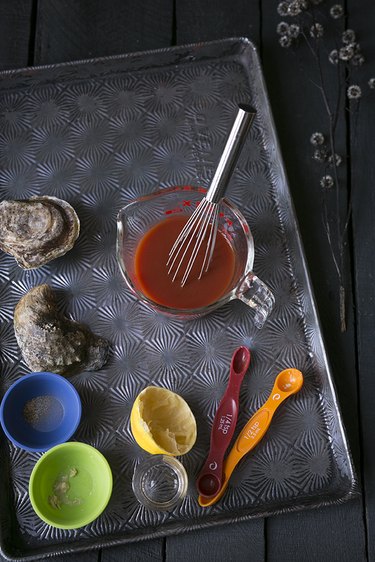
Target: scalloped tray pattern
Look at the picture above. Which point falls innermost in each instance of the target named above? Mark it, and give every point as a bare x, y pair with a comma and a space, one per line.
98, 134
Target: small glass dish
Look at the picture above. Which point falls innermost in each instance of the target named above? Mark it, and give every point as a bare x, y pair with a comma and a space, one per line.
160, 482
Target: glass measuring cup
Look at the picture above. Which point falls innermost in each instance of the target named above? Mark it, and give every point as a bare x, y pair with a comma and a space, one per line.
138, 217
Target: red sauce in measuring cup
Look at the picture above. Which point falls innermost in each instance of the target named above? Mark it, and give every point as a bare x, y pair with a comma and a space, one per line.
152, 277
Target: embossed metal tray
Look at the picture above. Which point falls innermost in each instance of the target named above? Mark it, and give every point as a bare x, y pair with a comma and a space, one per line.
99, 133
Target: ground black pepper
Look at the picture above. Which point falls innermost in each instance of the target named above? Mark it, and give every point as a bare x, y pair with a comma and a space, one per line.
43, 412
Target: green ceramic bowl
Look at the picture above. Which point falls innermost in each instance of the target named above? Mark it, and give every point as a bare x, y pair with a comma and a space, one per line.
70, 485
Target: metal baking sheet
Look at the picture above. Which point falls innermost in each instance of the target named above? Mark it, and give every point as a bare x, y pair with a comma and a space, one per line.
99, 133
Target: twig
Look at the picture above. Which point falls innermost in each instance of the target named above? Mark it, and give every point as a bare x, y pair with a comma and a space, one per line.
349, 53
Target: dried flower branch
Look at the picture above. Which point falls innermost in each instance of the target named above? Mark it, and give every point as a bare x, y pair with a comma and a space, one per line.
307, 23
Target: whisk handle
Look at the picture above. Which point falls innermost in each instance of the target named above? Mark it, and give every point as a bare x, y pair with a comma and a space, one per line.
229, 157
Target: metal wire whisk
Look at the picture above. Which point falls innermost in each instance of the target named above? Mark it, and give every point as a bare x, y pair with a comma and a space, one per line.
203, 222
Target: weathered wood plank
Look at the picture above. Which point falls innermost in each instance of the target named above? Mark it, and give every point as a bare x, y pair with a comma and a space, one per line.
235, 542
361, 18
15, 30
318, 535
71, 30
145, 551
336, 532
16, 37
216, 19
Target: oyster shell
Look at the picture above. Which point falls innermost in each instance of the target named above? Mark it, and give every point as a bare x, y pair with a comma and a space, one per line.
37, 230
50, 341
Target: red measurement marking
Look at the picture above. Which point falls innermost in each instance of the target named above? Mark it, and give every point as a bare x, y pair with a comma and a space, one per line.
186, 203
171, 211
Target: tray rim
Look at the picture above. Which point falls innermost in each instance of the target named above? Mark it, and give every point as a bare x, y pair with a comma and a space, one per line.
353, 489
132, 54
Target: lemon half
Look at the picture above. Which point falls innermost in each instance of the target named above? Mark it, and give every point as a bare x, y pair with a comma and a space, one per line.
162, 422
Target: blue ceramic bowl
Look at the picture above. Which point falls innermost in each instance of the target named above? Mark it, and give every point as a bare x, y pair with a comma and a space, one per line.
39, 411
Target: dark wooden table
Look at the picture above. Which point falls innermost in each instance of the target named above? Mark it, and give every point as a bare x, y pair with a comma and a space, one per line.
34, 32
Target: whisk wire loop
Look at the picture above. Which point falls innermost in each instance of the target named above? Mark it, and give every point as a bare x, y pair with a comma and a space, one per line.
189, 231
201, 233
211, 241
204, 219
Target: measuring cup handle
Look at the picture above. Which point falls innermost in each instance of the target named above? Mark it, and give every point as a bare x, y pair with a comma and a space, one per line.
253, 292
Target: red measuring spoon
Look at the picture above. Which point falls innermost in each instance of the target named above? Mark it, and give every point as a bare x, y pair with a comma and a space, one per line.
210, 478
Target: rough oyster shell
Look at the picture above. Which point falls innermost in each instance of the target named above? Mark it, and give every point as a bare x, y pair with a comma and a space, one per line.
50, 341
37, 230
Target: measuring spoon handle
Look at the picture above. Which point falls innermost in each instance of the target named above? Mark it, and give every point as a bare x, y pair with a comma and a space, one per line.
225, 418
249, 437
224, 424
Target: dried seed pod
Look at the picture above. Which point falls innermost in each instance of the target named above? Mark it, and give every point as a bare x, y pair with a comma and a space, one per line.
327, 182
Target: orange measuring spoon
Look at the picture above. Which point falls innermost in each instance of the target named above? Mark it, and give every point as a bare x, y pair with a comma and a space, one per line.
287, 382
